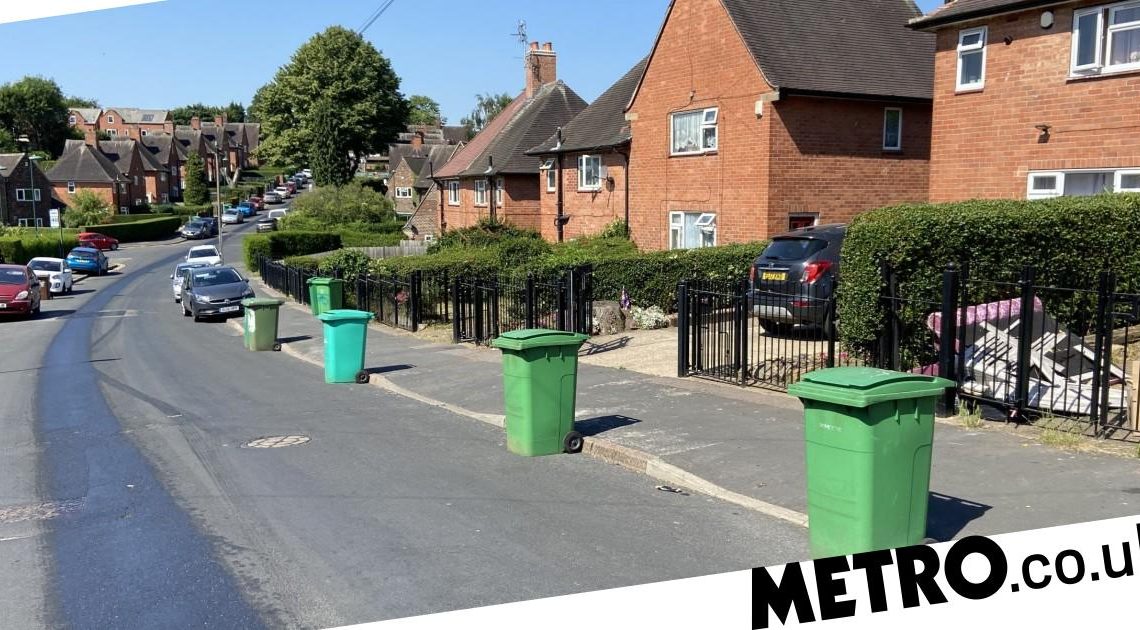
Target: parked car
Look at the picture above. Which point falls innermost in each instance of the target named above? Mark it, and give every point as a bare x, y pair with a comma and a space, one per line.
213, 291
211, 224
258, 203
291, 185
88, 260
205, 254
271, 196
267, 224
19, 291
232, 216
308, 172
247, 208
177, 278
195, 229
794, 278
283, 192
97, 241
53, 271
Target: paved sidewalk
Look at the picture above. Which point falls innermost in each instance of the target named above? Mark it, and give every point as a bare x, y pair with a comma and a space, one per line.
746, 446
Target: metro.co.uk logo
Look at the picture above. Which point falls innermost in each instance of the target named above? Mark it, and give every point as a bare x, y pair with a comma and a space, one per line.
973, 568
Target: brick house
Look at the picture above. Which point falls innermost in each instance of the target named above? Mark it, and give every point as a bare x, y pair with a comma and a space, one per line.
83, 167
165, 150
583, 184
1034, 99
411, 178
84, 119
192, 141
492, 176
19, 188
126, 156
132, 123
754, 116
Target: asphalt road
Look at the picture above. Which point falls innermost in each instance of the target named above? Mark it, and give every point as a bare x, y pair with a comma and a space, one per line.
129, 420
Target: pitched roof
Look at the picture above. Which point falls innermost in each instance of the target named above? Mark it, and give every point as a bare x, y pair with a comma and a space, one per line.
133, 115
602, 124
84, 164
150, 161
89, 114
188, 140
9, 162
159, 145
454, 134
425, 218
521, 125
962, 10
437, 157
118, 152
859, 48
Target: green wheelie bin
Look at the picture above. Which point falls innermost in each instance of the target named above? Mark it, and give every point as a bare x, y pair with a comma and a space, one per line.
325, 294
346, 334
869, 435
540, 378
261, 323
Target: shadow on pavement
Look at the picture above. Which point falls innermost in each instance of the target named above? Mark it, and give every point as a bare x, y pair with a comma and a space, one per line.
946, 516
389, 368
55, 313
601, 424
589, 349
294, 339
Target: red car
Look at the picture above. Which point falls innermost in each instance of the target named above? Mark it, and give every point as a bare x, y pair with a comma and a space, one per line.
98, 241
19, 291
257, 203
292, 187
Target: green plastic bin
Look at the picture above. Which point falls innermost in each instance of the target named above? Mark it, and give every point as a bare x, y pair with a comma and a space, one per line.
261, 323
540, 378
346, 334
325, 294
869, 435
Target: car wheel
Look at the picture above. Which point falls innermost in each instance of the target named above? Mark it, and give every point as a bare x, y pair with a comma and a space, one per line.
185, 311
194, 313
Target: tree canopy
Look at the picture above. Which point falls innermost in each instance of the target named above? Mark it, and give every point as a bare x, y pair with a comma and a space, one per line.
34, 106
424, 111
234, 112
76, 102
194, 191
487, 106
362, 91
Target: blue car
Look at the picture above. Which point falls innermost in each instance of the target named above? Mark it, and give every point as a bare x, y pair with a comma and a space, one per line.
247, 208
88, 260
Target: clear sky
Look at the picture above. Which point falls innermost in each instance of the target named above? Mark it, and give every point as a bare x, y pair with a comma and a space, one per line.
215, 51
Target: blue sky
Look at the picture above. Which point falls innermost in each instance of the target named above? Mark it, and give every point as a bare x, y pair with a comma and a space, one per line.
183, 51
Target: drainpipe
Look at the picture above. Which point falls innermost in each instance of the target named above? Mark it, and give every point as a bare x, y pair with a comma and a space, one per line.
625, 156
491, 186
560, 219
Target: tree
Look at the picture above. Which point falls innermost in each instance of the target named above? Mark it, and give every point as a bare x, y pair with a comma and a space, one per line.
86, 208
195, 192
103, 134
362, 90
424, 111
76, 102
34, 106
234, 112
487, 106
341, 207
329, 157
7, 142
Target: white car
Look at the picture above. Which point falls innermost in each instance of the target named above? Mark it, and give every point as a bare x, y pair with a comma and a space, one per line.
55, 272
176, 277
282, 191
307, 172
271, 196
277, 213
232, 216
204, 254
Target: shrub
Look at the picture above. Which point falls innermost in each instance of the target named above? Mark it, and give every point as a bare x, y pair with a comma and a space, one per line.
195, 192
341, 206
278, 245
149, 229
648, 318
485, 233
616, 229
19, 250
1070, 240
351, 262
87, 208
370, 239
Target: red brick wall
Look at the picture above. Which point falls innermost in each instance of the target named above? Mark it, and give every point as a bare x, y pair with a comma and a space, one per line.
589, 211
985, 143
105, 191
520, 201
20, 178
403, 177
466, 213
121, 129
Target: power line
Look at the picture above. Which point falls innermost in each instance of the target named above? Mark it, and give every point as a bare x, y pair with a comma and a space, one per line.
375, 16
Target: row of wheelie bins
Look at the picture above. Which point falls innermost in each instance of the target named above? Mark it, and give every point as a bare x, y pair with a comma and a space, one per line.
868, 432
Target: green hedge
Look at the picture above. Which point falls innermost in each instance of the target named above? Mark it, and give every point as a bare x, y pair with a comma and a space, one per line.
370, 239
279, 245
20, 250
1069, 240
151, 229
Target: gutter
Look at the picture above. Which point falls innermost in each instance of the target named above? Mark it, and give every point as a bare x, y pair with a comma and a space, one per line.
935, 22
785, 91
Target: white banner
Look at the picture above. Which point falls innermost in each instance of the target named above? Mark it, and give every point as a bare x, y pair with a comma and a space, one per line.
19, 10
1080, 576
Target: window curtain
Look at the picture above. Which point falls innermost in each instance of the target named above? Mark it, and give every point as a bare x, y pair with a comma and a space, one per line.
686, 132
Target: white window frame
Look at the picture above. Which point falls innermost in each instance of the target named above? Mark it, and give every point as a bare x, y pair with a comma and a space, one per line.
480, 192
972, 49
500, 186
71, 188
403, 192
1118, 183
162, 177
110, 119
706, 223
586, 164
114, 133
22, 194
142, 132
1093, 67
1106, 32
550, 174
124, 210
71, 120
704, 115
1057, 190
453, 193
898, 145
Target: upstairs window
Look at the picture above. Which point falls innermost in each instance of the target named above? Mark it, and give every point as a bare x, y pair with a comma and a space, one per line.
110, 120
1106, 39
71, 188
403, 192
71, 120
694, 132
589, 172
972, 59
892, 129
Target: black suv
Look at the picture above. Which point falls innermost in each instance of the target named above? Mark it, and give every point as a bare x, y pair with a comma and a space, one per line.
795, 276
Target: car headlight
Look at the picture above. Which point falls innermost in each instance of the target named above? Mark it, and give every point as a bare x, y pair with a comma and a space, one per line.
22, 295
202, 299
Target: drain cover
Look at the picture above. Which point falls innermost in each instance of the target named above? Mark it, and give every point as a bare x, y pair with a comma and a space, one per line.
278, 441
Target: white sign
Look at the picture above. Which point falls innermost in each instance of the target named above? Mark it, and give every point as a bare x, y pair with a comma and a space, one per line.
53, 216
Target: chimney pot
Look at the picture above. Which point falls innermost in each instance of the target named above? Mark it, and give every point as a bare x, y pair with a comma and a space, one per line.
195, 123
548, 46
534, 45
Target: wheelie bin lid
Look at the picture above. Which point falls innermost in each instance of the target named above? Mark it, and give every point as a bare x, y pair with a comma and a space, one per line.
537, 338
861, 387
322, 281
344, 315
261, 302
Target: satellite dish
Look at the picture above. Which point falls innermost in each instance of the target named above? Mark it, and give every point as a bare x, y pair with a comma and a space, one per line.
1047, 20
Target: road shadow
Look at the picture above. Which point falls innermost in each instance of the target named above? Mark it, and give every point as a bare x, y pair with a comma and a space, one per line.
74, 292
294, 339
589, 349
946, 515
601, 424
389, 368
55, 313
46, 366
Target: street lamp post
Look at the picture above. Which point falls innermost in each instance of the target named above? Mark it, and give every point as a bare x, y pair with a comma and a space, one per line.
23, 139
3, 198
218, 184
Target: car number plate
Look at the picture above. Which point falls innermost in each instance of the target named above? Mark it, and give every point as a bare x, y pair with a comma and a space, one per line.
774, 275
228, 309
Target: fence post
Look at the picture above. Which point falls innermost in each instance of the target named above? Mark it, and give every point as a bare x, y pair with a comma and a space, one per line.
562, 306
416, 293
480, 331
1102, 353
455, 326
1024, 340
1109, 321
530, 300
963, 309
683, 328
742, 330
889, 341
831, 330
948, 334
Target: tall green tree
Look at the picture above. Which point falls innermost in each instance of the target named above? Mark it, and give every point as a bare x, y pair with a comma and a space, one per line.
234, 112
34, 106
329, 156
487, 106
195, 192
74, 102
424, 111
344, 69
7, 142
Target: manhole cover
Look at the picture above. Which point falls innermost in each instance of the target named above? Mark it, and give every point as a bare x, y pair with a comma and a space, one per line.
278, 441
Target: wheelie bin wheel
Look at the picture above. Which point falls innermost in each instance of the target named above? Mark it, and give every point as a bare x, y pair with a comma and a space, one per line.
572, 443
362, 377
277, 347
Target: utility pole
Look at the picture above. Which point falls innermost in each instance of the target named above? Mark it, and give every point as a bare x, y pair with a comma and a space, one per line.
3, 199
23, 140
218, 184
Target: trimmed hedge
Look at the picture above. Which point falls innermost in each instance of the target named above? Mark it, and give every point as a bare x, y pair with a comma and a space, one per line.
150, 229
20, 250
1069, 240
370, 239
279, 245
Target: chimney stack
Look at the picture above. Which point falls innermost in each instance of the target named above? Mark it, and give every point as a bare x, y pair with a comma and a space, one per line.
196, 123
90, 136
418, 139
541, 67
219, 120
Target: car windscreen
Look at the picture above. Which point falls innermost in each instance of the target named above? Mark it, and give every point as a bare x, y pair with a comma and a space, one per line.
214, 277
13, 276
44, 265
78, 254
195, 224
203, 253
792, 248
